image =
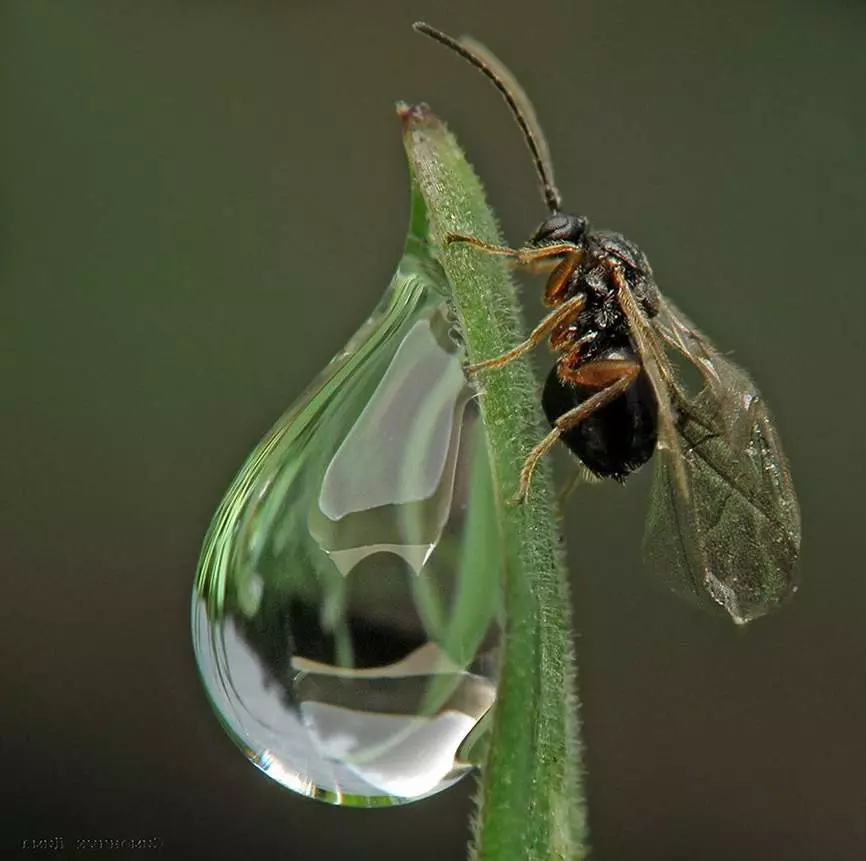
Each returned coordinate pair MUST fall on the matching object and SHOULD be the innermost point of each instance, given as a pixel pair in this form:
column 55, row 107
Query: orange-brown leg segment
column 557, row 284
column 564, row 314
column 614, row 376
column 580, row 474
column 562, row 341
column 522, row 256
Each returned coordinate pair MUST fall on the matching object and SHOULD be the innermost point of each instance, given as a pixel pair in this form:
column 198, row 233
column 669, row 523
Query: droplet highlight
column 346, row 611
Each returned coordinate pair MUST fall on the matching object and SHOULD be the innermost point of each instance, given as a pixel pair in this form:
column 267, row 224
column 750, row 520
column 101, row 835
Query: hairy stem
column 531, row 804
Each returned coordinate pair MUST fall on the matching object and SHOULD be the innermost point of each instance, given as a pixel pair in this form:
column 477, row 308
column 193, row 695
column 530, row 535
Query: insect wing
column 724, row 522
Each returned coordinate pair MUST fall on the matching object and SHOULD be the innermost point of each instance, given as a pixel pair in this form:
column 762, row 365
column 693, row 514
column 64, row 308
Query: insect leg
column 614, row 376
column 559, row 316
column 580, row 474
column 522, row 256
column 559, row 279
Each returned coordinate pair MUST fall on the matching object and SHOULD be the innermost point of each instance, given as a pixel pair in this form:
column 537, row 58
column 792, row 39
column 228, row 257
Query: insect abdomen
column 617, row 438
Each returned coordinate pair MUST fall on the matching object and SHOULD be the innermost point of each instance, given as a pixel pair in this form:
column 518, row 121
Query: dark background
column 201, row 201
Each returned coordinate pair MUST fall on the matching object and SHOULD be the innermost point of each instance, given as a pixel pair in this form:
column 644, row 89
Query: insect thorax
column 593, row 278
column 611, row 249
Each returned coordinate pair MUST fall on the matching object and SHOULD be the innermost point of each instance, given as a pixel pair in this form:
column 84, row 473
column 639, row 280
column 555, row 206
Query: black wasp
column 724, row 522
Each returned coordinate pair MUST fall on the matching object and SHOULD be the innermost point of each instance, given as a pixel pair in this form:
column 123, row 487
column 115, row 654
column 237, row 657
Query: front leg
column 522, row 256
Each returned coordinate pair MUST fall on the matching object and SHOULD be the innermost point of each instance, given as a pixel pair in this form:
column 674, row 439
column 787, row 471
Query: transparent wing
column 724, row 522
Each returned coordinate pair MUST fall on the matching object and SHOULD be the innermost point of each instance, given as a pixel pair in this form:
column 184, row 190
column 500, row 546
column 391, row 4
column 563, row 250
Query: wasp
column 724, row 523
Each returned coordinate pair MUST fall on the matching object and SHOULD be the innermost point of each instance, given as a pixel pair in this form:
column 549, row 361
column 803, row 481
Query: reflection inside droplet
column 346, row 611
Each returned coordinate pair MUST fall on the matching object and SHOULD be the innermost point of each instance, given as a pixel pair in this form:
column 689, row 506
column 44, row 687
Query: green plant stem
column 531, row 802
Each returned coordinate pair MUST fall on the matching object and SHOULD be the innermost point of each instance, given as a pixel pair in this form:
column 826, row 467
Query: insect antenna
column 519, row 104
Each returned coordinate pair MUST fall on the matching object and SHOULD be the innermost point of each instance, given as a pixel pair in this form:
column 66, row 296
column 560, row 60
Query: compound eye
column 560, row 228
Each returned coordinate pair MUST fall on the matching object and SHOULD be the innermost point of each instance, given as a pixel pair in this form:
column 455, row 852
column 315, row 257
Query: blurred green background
column 201, row 201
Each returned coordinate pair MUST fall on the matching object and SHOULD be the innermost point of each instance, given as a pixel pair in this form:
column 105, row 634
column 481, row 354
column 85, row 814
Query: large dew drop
column 345, row 615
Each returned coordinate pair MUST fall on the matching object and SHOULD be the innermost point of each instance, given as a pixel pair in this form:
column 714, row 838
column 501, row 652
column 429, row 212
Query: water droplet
column 345, row 614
